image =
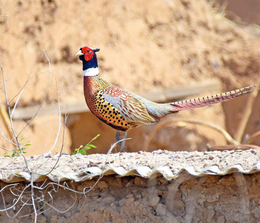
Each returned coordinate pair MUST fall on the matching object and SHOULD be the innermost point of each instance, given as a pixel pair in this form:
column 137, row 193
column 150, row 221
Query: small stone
column 153, row 200
column 102, row 185
column 162, row 180
column 161, row 209
column 108, row 200
column 221, row 219
column 140, row 181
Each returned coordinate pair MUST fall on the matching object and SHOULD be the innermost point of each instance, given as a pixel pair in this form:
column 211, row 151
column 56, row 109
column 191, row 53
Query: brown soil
column 144, row 47
column 208, row 199
column 215, row 199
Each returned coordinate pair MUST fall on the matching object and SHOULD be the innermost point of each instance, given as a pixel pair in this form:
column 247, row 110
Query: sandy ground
column 144, row 47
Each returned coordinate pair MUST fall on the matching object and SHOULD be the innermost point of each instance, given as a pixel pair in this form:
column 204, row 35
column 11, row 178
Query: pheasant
column 123, row 110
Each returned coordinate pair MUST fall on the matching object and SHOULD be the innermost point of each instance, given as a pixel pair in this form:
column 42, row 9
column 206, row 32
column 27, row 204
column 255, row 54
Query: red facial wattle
column 88, row 53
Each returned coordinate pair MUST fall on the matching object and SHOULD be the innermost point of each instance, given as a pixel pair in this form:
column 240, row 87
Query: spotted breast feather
column 118, row 108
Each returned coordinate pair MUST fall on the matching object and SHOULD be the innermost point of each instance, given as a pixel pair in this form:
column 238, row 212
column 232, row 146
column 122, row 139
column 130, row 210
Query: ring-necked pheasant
column 124, row 110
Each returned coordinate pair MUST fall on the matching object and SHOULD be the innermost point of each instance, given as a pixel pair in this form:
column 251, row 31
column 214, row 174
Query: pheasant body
column 109, row 104
column 120, row 108
column 123, row 110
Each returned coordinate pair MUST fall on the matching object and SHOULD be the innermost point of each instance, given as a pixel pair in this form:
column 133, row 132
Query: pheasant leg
column 121, row 136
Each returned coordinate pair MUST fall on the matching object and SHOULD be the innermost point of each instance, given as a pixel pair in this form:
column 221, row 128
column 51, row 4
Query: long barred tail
column 213, row 99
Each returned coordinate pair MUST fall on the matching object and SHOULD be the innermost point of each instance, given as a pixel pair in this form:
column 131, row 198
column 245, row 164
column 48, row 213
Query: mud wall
column 230, row 198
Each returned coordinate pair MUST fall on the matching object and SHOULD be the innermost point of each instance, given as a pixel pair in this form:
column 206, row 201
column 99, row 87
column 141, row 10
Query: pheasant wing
column 129, row 106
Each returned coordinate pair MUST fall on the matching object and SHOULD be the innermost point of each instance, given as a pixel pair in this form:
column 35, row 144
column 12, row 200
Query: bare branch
column 58, row 133
column 6, row 119
column 246, row 116
column 11, row 121
column 7, row 138
column 43, row 98
column 33, row 202
column 233, row 147
column 113, row 146
column 252, row 138
column 169, row 121
column 8, row 185
column 62, row 145
column 18, row 199
column 9, row 150
column 75, row 200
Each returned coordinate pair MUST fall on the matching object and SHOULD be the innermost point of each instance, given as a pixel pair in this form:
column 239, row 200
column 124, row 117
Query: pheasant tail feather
column 213, row 99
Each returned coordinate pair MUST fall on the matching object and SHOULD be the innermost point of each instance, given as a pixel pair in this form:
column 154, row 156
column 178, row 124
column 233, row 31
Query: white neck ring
column 90, row 72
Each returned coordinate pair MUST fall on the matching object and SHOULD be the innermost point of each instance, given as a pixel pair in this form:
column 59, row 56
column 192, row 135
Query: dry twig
column 170, row 121
column 33, row 200
column 246, row 116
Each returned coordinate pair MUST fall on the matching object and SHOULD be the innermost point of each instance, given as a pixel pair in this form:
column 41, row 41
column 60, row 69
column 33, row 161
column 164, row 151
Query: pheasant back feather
column 131, row 107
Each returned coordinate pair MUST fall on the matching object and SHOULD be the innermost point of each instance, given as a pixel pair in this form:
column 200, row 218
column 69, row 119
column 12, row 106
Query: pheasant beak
column 79, row 53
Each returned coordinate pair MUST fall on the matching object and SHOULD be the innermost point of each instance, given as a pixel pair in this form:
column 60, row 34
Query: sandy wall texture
column 220, row 199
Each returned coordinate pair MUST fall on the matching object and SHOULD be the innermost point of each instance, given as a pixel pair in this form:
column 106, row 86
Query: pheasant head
column 89, row 60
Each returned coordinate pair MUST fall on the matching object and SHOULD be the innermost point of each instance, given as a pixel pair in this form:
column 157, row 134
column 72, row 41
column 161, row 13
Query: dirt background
column 144, row 47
